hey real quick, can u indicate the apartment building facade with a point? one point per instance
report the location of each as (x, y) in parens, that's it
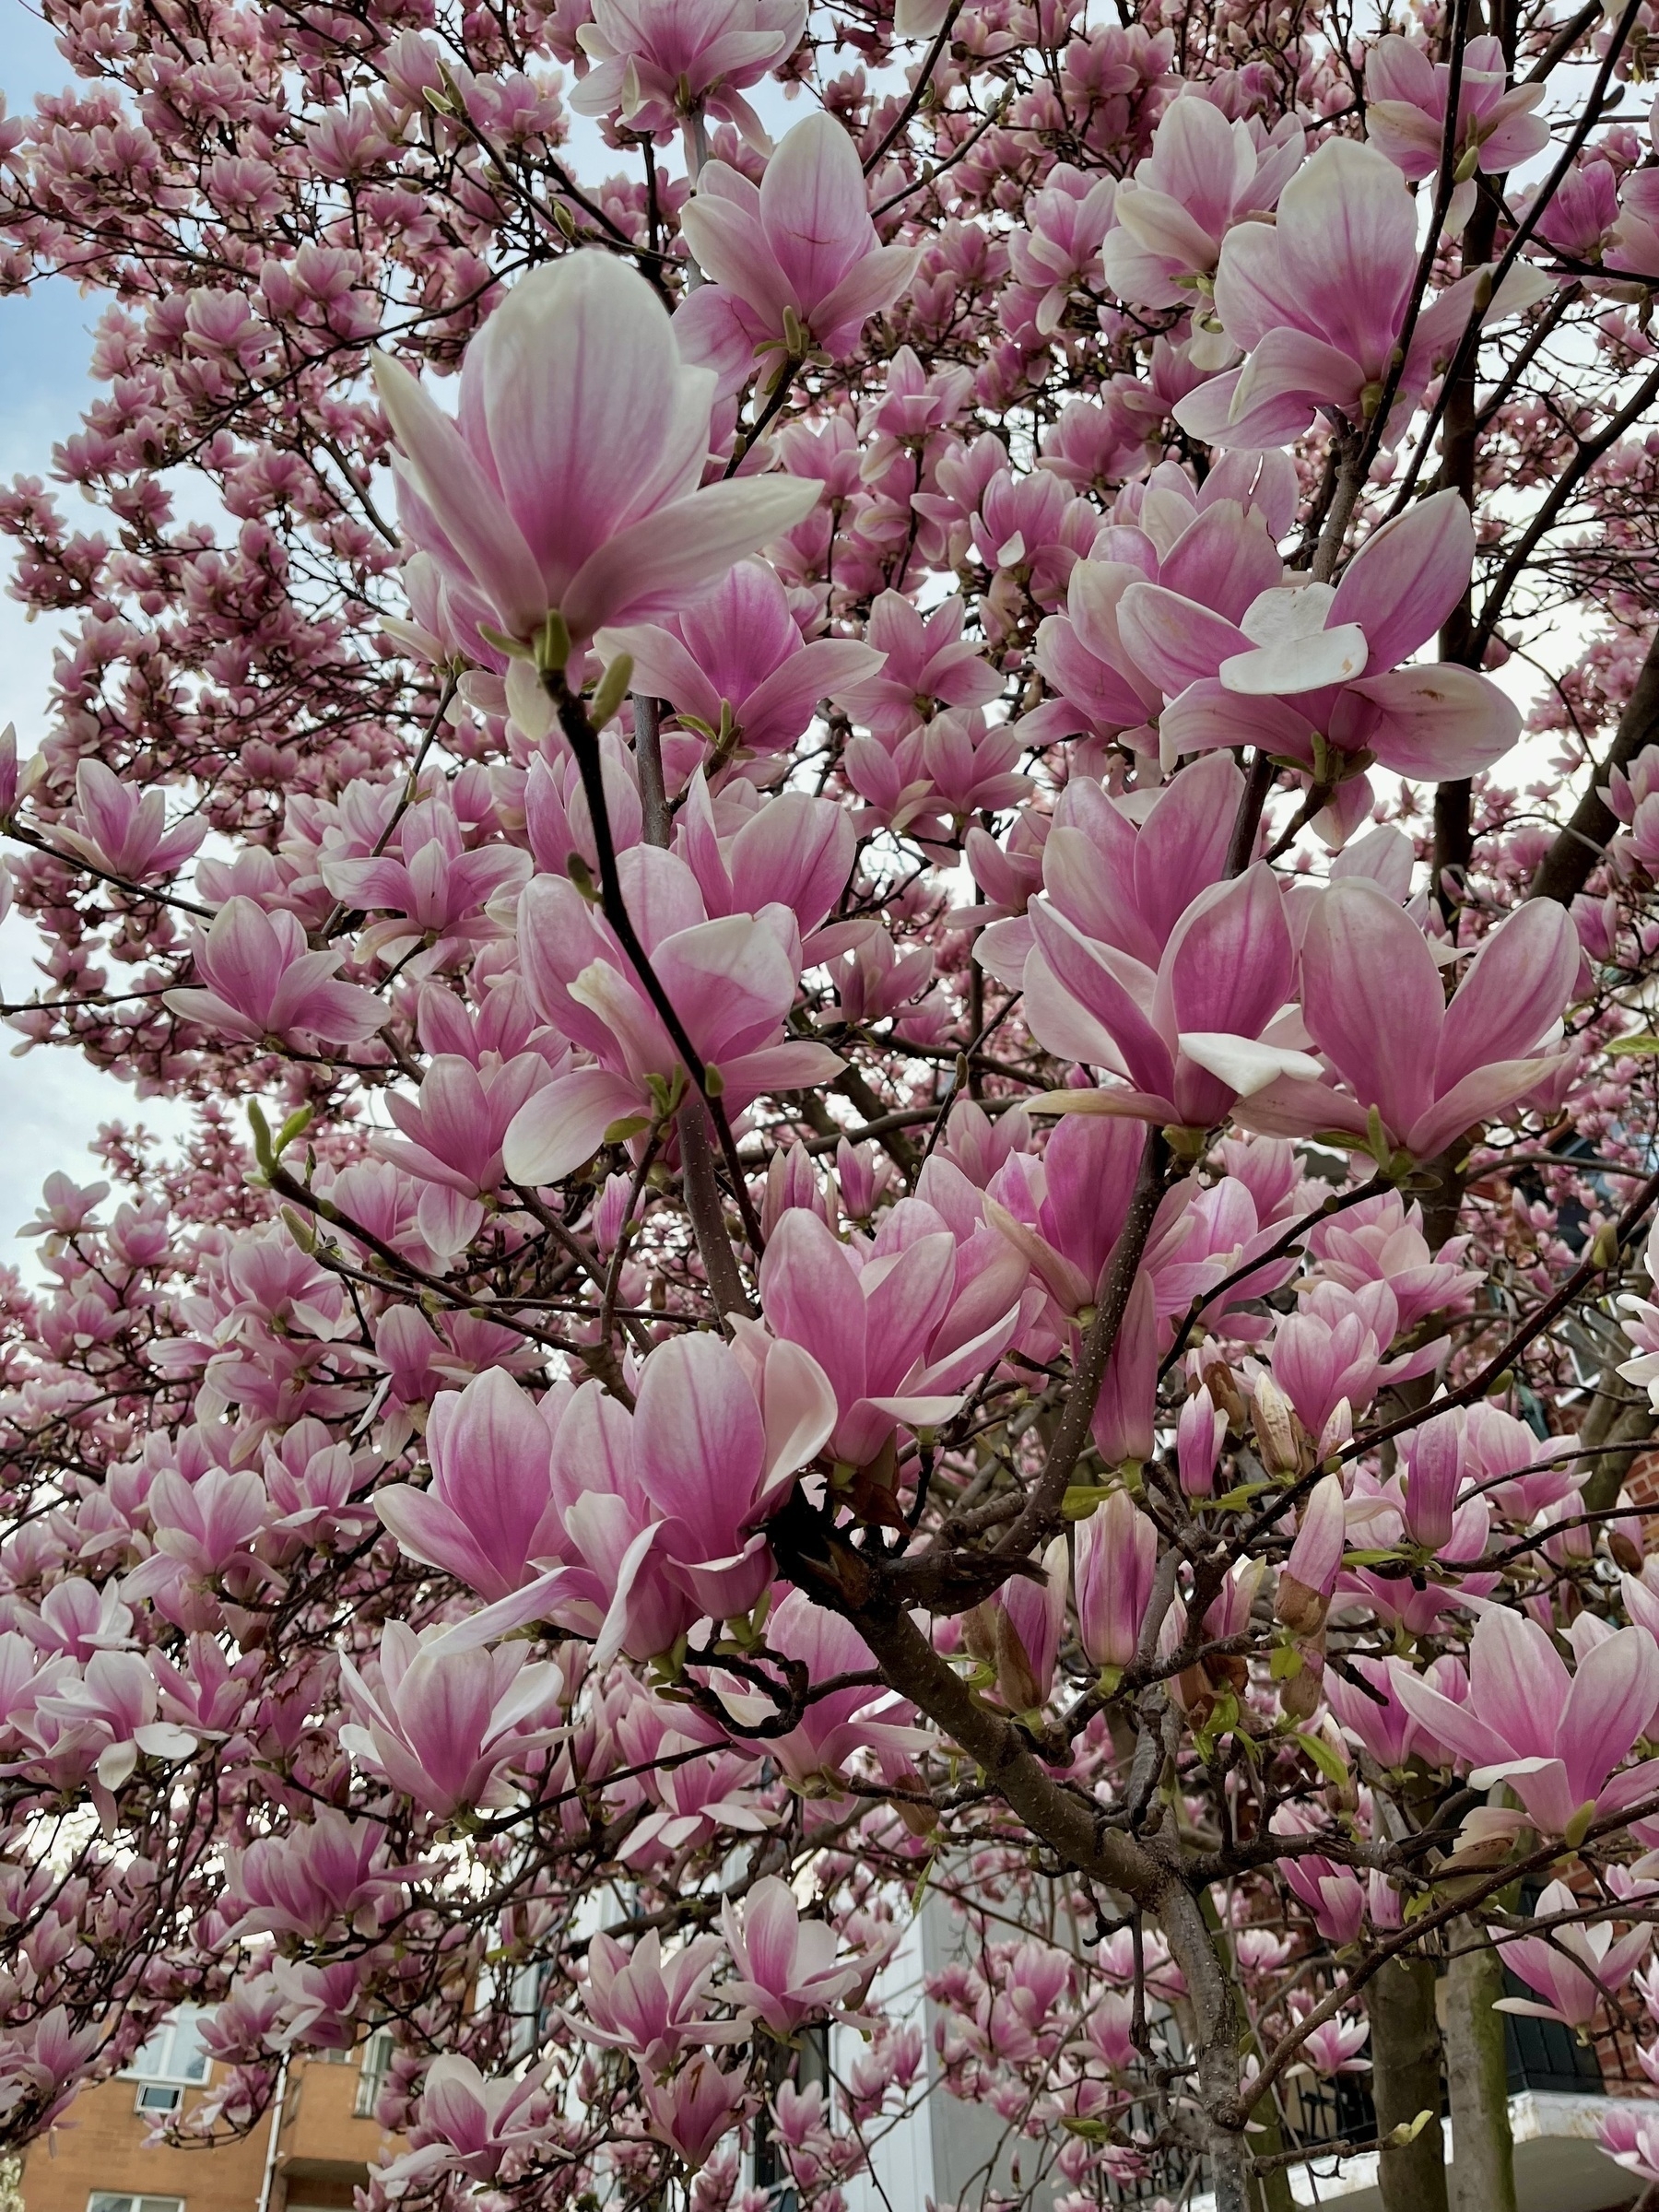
(308, 2156)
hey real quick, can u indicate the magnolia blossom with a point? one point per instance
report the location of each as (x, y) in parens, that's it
(1555, 1739)
(1191, 1035)
(1306, 661)
(796, 255)
(654, 65)
(1317, 299)
(736, 665)
(1374, 1006)
(571, 480)
(1576, 1969)
(446, 1718)
(730, 980)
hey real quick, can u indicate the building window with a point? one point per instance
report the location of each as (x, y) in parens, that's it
(102, 2201)
(374, 2067)
(172, 2060)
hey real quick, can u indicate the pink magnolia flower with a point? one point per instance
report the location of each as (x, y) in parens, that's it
(324, 1873)
(714, 1456)
(1418, 1605)
(786, 1969)
(655, 65)
(698, 1800)
(1381, 1724)
(1310, 1575)
(1554, 1738)
(730, 980)
(1629, 2133)
(1063, 1214)
(1405, 96)
(1117, 1549)
(1374, 1006)
(468, 2125)
(1067, 221)
(735, 663)
(491, 1510)
(1383, 1240)
(834, 1729)
(46, 2060)
(109, 1709)
(77, 1618)
(749, 853)
(798, 252)
(1305, 661)
(1125, 876)
(694, 2108)
(453, 1137)
(124, 829)
(927, 665)
(1191, 1035)
(1331, 1353)
(1027, 1620)
(1199, 1435)
(262, 982)
(1026, 527)
(1332, 2047)
(888, 1324)
(571, 480)
(1433, 1462)
(1577, 1969)
(447, 1719)
(652, 2008)
(1203, 175)
(207, 1524)
(1317, 299)
(429, 880)
(1333, 1895)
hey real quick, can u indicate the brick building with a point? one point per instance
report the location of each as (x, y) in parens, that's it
(326, 2138)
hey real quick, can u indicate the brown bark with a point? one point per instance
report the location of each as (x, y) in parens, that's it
(1566, 868)
(1482, 2173)
(1406, 2079)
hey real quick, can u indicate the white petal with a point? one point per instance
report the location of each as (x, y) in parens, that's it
(1304, 663)
(1243, 1062)
(1289, 610)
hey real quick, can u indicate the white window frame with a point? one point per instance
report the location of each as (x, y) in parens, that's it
(163, 2079)
(373, 2066)
(116, 2200)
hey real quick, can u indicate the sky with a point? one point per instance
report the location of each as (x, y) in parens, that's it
(51, 1102)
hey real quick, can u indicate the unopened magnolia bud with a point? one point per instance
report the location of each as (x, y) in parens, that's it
(1223, 1387)
(1017, 1682)
(1301, 1610)
(1299, 1694)
(979, 1632)
(611, 690)
(1278, 1430)
(1321, 1533)
(553, 644)
(1625, 1542)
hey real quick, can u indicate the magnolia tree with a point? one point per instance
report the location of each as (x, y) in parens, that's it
(886, 786)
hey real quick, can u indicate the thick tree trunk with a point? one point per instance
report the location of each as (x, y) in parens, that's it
(1565, 868)
(1230, 2169)
(1483, 2149)
(1620, 1414)
(1406, 2079)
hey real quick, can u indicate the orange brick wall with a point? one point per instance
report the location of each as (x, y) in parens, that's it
(100, 2144)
